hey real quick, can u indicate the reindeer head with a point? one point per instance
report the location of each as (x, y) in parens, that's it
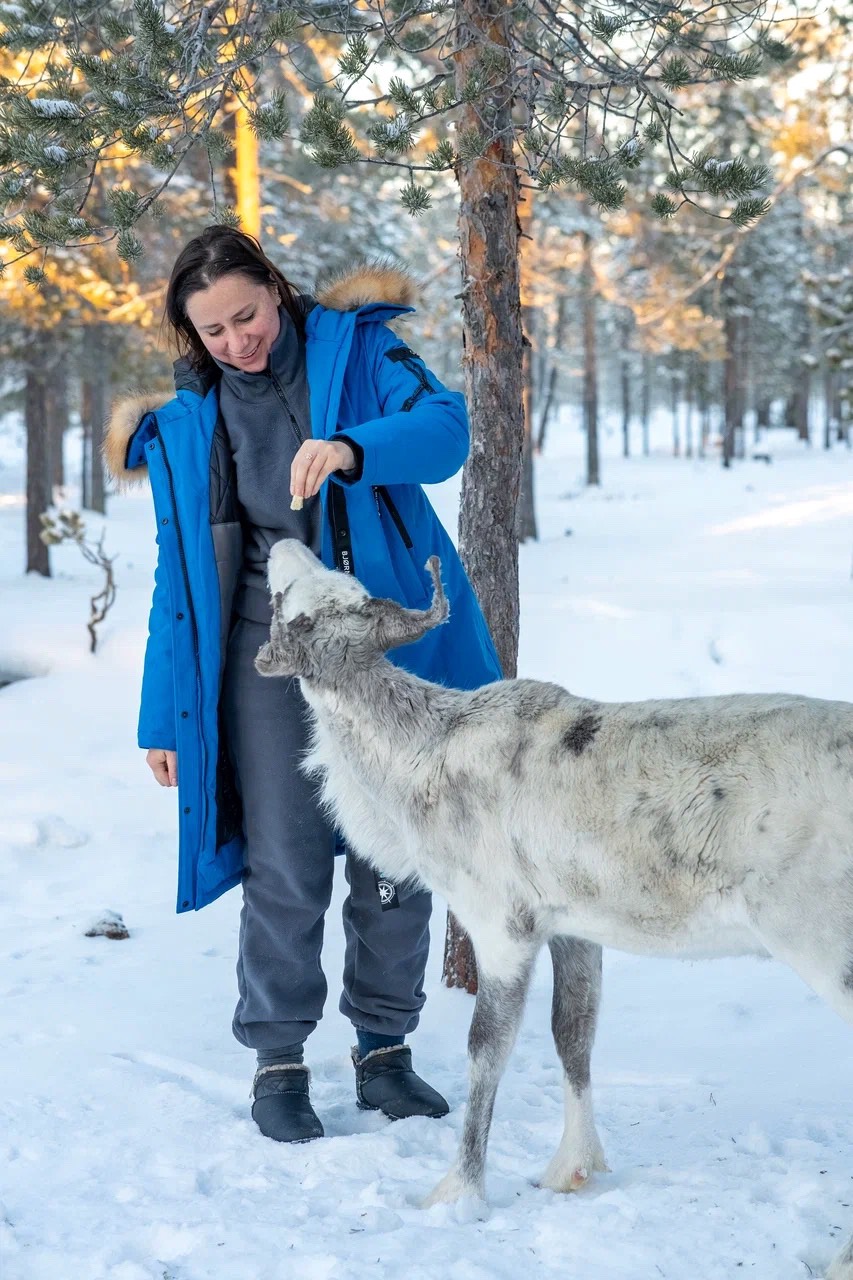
(325, 623)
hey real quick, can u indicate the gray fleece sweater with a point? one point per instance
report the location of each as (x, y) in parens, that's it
(267, 416)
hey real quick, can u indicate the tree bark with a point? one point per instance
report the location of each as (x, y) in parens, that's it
(93, 413)
(673, 403)
(646, 409)
(762, 416)
(527, 504)
(625, 380)
(590, 364)
(559, 337)
(730, 387)
(546, 408)
(703, 393)
(56, 414)
(492, 349)
(38, 469)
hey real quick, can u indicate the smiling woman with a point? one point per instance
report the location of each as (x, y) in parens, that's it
(303, 418)
(237, 320)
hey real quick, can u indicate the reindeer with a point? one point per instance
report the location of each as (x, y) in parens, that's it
(690, 827)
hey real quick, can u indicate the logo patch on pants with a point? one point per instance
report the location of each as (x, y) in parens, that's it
(387, 891)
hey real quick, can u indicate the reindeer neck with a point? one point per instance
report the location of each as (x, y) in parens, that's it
(400, 705)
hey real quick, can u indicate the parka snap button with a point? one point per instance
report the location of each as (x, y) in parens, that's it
(179, 616)
(165, 520)
(187, 809)
(152, 445)
(185, 903)
(184, 715)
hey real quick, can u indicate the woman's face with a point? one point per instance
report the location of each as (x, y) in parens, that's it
(237, 320)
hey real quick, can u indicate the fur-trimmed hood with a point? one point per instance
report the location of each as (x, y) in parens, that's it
(355, 287)
(345, 290)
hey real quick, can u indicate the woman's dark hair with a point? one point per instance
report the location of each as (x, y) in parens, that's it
(219, 251)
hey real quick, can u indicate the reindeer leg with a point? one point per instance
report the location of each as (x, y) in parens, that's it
(574, 1012)
(842, 1267)
(503, 974)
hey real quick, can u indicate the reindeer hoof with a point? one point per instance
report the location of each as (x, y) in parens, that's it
(449, 1190)
(566, 1177)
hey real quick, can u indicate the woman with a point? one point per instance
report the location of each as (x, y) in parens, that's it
(282, 397)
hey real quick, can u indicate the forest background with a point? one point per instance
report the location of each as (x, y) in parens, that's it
(622, 207)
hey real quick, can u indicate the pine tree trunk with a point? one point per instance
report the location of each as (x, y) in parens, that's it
(590, 364)
(526, 508)
(559, 338)
(800, 405)
(242, 181)
(646, 409)
(673, 404)
(56, 413)
(93, 412)
(492, 356)
(460, 964)
(762, 416)
(526, 502)
(743, 384)
(625, 381)
(730, 387)
(827, 407)
(704, 398)
(38, 469)
(546, 408)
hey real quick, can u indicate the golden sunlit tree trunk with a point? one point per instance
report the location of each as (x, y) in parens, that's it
(242, 180)
(492, 354)
(246, 173)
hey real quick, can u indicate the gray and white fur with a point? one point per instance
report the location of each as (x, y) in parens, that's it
(692, 827)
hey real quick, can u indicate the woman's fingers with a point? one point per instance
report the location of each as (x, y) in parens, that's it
(172, 767)
(315, 460)
(164, 766)
(307, 465)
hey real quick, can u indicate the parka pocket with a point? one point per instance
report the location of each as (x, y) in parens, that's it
(401, 547)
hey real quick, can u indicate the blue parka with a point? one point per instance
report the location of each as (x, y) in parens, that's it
(367, 385)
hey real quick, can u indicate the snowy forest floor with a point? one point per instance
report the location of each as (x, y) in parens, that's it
(722, 1088)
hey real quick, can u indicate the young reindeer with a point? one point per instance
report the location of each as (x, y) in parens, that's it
(692, 827)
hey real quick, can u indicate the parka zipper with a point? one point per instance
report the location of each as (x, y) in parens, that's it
(382, 492)
(293, 423)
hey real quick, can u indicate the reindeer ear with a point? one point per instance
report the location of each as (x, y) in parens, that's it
(395, 625)
(287, 652)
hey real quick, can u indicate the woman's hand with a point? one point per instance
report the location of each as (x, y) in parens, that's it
(164, 766)
(314, 461)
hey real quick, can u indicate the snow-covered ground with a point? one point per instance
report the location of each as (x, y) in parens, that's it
(722, 1089)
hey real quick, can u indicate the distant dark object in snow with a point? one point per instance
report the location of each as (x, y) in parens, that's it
(567, 533)
(109, 925)
(762, 457)
(8, 676)
(714, 653)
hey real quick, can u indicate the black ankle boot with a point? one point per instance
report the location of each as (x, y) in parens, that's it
(385, 1081)
(281, 1107)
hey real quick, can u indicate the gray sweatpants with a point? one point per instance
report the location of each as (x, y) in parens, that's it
(287, 884)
